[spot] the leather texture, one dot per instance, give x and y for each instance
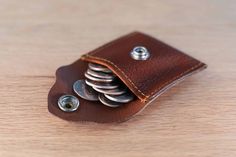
(147, 79)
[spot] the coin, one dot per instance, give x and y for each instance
(108, 102)
(101, 74)
(116, 91)
(88, 76)
(85, 91)
(97, 67)
(103, 85)
(124, 98)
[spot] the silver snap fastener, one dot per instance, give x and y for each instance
(68, 103)
(140, 53)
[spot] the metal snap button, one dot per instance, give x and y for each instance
(140, 53)
(68, 103)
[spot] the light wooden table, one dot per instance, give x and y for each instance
(195, 118)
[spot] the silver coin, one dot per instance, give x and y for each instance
(88, 76)
(116, 91)
(85, 91)
(108, 102)
(103, 85)
(97, 67)
(124, 98)
(101, 74)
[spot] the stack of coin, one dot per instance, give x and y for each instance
(101, 84)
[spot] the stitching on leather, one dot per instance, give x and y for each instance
(146, 96)
(178, 76)
(120, 71)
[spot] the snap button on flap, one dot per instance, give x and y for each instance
(68, 103)
(140, 53)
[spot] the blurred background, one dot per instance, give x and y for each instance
(196, 118)
(68, 28)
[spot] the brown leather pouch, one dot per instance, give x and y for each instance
(147, 79)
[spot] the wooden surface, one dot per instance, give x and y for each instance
(195, 118)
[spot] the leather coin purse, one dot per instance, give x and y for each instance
(147, 74)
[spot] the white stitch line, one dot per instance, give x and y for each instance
(193, 67)
(119, 70)
(146, 96)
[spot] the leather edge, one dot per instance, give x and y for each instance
(128, 82)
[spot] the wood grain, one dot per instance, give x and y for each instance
(196, 118)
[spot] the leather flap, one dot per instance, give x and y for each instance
(145, 78)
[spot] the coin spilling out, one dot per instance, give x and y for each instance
(100, 68)
(85, 91)
(108, 102)
(100, 74)
(90, 77)
(101, 84)
(123, 98)
(116, 91)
